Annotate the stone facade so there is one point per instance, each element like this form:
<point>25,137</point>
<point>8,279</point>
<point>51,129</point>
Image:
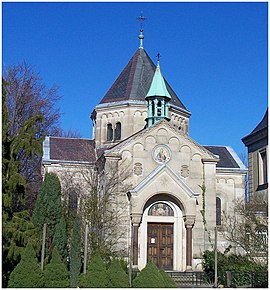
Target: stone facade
<point>177,188</point>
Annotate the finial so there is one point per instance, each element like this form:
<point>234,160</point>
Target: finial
<point>158,58</point>
<point>141,36</point>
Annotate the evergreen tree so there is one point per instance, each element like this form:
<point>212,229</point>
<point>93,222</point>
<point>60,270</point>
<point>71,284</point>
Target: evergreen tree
<point>168,281</point>
<point>48,207</point>
<point>27,274</point>
<point>118,278</point>
<point>60,238</point>
<point>17,227</point>
<point>24,143</point>
<point>96,275</point>
<point>56,273</point>
<point>75,252</point>
<point>149,277</point>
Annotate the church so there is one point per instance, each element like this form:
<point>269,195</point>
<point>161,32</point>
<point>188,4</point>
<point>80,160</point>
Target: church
<point>178,189</point>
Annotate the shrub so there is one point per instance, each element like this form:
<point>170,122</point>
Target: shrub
<point>118,278</point>
<point>55,273</point>
<point>96,275</point>
<point>27,274</point>
<point>149,277</point>
<point>240,267</point>
<point>168,281</point>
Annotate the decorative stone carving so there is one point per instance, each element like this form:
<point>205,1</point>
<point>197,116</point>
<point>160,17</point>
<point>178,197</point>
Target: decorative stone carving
<point>138,168</point>
<point>164,180</point>
<point>184,171</point>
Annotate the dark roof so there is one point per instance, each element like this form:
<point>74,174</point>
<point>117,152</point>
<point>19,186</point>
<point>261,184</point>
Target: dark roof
<point>134,81</point>
<point>263,124</point>
<point>72,149</point>
<point>259,134</point>
<point>226,158</point>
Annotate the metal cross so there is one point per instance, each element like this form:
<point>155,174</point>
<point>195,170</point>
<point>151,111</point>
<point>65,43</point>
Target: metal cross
<point>141,19</point>
<point>158,56</point>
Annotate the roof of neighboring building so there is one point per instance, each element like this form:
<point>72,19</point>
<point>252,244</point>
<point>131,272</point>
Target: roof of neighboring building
<point>263,124</point>
<point>72,149</point>
<point>259,133</point>
<point>227,157</point>
<point>135,80</point>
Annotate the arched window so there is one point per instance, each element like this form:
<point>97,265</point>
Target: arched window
<point>218,211</point>
<point>118,131</point>
<point>109,132</point>
<point>73,200</point>
<point>159,108</point>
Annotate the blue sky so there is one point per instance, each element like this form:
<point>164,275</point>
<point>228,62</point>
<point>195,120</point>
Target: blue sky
<point>214,56</point>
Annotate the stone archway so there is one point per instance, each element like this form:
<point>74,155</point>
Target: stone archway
<point>181,234</point>
<point>174,191</point>
<point>160,237</point>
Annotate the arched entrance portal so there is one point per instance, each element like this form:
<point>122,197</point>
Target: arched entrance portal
<point>161,235</point>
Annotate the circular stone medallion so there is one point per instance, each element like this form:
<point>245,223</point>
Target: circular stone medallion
<point>161,154</point>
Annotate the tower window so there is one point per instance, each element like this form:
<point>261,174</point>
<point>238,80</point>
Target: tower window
<point>118,131</point>
<point>109,132</point>
<point>218,211</point>
<point>159,108</point>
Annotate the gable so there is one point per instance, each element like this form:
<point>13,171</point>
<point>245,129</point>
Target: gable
<point>163,132</point>
<point>164,180</point>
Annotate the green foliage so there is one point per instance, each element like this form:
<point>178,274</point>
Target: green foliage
<point>55,273</point>
<point>60,238</point>
<point>149,277</point>
<point>118,278</point>
<point>48,207</point>
<point>168,281</point>
<point>23,143</point>
<point>16,233</point>
<point>21,152</point>
<point>27,274</point>
<point>240,266</point>
<point>75,252</point>
<point>96,275</point>
<point>209,263</point>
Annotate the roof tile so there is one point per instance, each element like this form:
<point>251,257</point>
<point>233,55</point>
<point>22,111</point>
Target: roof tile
<point>72,149</point>
<point>135,80</point>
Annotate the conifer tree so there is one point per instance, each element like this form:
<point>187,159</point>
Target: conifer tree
<point>48,207</point>
<point>56,273</point>
<point>75,252</point>
<point>25,141</point>
<point>96,275</point>
<point>149,277</point>
<point>27,274</point>
<point>118,278</point>
<point>17,227</point>
<point>60,238</point>
<point>168,281</point>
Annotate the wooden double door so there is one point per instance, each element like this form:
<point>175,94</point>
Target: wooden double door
<point>160,244</point>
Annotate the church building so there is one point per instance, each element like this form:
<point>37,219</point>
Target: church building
<point>179,188</point>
